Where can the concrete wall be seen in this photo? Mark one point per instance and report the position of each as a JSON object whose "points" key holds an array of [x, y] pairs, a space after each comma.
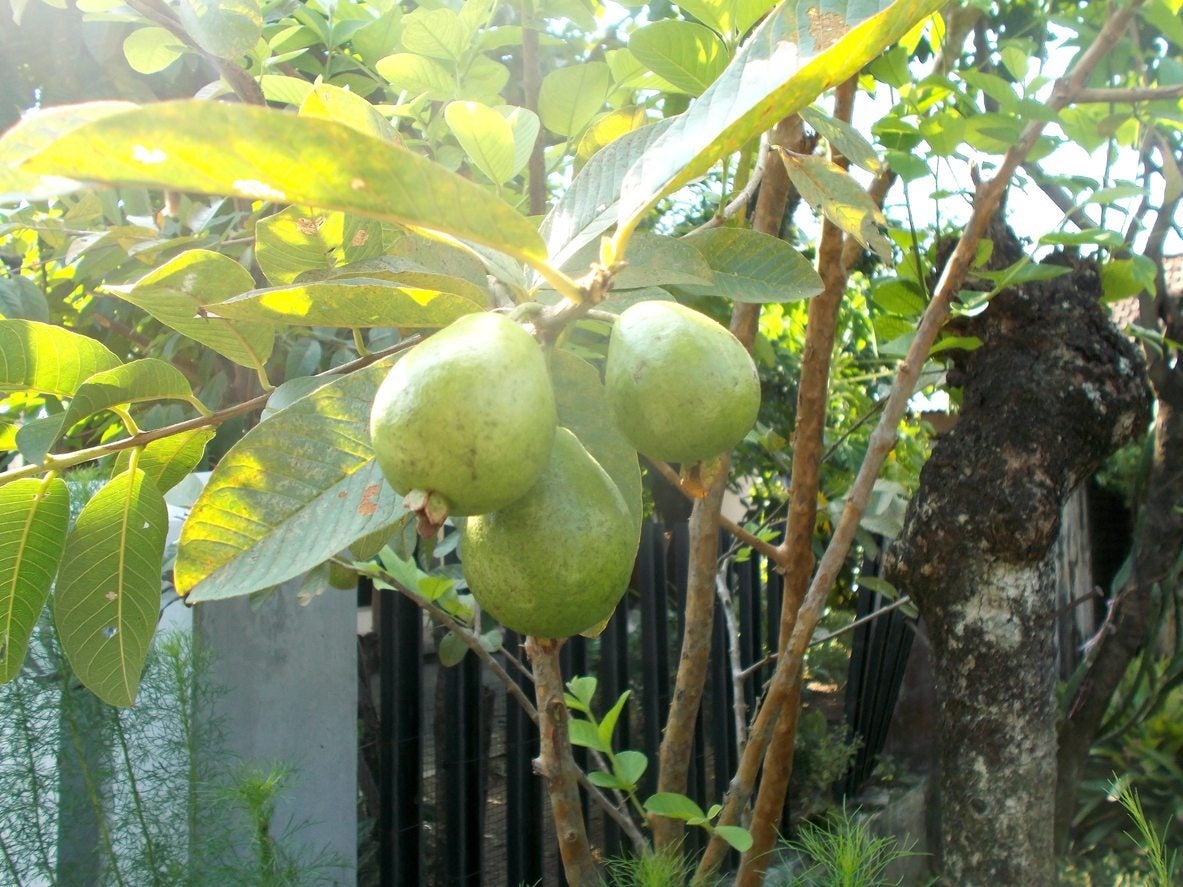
{"points": [[289, 673]]}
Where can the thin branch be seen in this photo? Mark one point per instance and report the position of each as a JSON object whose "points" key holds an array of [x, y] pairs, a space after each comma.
{"points": [[739, 704], [743, 197], [1060, 197], [745, 536], [1114, 95], [788, 668], [68, 460]]}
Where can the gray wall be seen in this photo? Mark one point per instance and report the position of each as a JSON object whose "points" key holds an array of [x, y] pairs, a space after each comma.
{"points": [[289, 675]]}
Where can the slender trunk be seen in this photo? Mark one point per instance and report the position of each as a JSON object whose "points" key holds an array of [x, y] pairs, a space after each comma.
{"points": [[556, 766], [1050, 393]]}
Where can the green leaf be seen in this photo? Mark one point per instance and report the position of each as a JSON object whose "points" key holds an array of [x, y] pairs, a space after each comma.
{"points": [[570, 97], [582, 688], [264, 154], [327, 102], [1099, 236], [436, 33], [296, 241], [606, 780], [525, 125], [35, 437], [589, 207], [451, 650], [1122, 278], [833, 191], [737, 837], [34, 518], [654, 260], [608, 724], [139, 381], [955, 343], [753, 267], [293, 492], [1023, 271], [879, 586], [687, 55], [845, 138], [150, 50], [168, 461], [21, 299], [630, 767], [226, 29], [48, 359], [34, 132], [798, 52], [898, 296], [107, 599], [353, 302], [583, 733], [177, 292], [417, 76], [674, 806], [486, 137], [583, 408]]}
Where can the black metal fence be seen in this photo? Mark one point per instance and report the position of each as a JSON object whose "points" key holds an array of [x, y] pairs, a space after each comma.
{"points": [[459, 803]]}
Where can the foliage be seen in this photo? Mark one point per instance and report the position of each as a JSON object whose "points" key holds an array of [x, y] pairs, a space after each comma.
{"points": [[843, 852]]}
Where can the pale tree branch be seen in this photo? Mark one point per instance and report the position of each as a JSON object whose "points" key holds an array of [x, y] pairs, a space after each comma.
{"points": [[1117, 95]]}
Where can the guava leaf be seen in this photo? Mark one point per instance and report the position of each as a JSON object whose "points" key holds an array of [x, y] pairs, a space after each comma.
{"points": [[107, 600], [352, 302], [583, 408], [844, 137], [834, 192], [151, 50], [653, 260], [34, 517], [583, 733], [293, 492], [226, 29], [685, 54], [486, 137], [21, 299], [738, 837], [327, 102], [265, 154], [169, 460], [798, 52], [147, 379], [674, 806], [48, 359], [34, 132], [750, 266], [570, 97], [177, 292], [589, 207], [631, 766]]}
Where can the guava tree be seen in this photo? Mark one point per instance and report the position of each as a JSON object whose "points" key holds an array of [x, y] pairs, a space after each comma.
{"points": [[234, 277]]}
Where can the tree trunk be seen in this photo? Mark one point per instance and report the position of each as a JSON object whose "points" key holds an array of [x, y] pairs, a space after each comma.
{"points": [[1051, 391]]}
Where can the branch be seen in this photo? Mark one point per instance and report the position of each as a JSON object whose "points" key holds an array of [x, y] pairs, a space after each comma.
{"points": [[1129, 94], [68, 460], [739, 704], [744, 196], [788, 668], [556, 766], [749, 539]]}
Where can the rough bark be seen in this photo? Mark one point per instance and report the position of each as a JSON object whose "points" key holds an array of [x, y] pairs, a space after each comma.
{"points": [[556, 766], [1157, 545], [1052, 391]]}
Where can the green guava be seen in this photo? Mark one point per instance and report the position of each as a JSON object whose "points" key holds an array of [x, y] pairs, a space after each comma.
{"points": [[682, 388], [556, 561], [467, 416]]}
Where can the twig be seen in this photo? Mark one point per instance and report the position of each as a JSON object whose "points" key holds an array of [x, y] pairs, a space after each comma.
{"points": [[788, 668], [746, 537], [744, 196], [57, 463], [1128, 94], [739, 705]]}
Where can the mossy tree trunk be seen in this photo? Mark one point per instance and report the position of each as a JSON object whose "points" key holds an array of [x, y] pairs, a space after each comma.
{"points": [[1050, 393]]}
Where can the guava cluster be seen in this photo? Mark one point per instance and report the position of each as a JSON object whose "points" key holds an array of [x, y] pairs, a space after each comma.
{"points": [[466, 424]]}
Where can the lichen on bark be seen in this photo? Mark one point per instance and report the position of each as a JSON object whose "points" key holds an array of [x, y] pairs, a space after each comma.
{"points": [[1052, 390]]}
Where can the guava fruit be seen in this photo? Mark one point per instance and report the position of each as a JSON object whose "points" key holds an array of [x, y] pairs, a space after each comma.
{"points": [[464, 422], [682, 387], [556, 561]]}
